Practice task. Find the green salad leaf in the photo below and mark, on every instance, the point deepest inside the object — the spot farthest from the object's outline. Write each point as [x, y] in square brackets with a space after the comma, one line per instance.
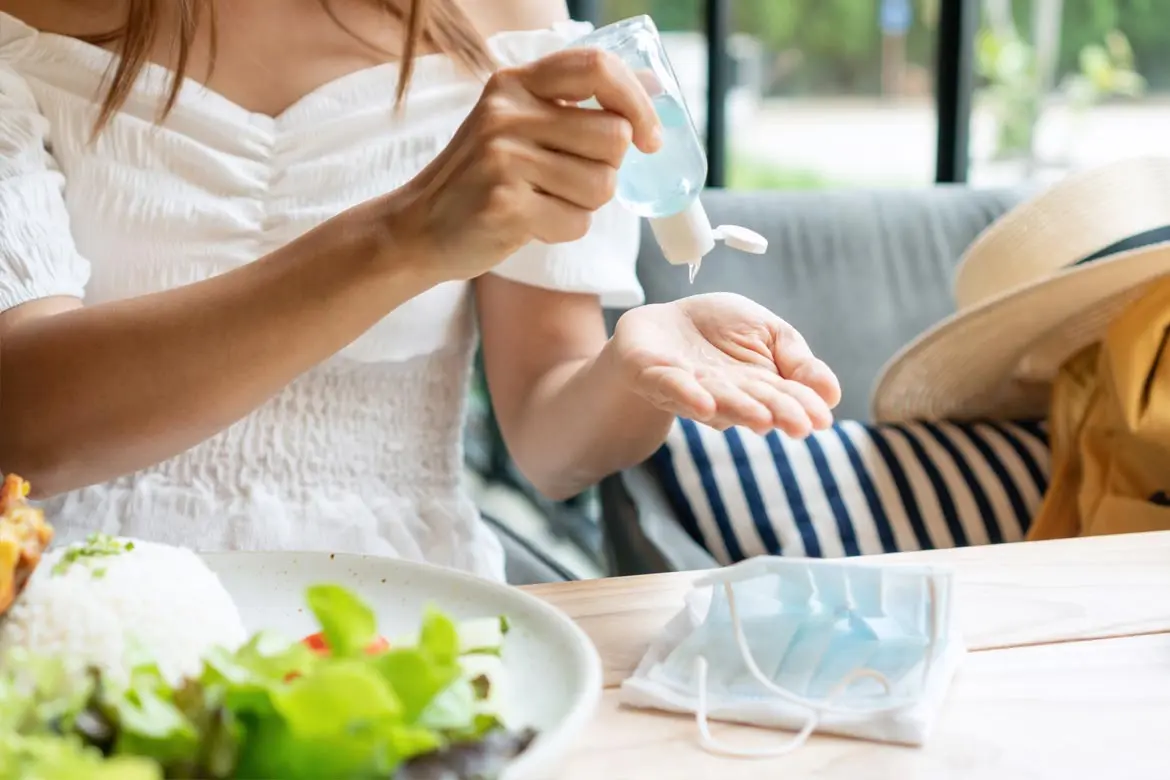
[149, 724]
[271, 708]
[418, 674]
[335, 722]
[249, 676]
[46, 757]
[346, 621]
[452, 709]
[46, 692]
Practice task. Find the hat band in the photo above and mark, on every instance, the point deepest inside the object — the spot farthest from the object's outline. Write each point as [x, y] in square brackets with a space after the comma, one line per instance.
[1146, 238]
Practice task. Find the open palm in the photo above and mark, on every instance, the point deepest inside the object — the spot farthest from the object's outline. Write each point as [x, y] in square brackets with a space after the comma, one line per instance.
[724, 360]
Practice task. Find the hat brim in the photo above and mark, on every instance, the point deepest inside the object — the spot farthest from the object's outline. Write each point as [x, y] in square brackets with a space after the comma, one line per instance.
[965, 367]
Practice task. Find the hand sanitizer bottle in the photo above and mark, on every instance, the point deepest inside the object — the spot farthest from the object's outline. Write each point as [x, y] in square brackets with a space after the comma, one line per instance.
[664, 187]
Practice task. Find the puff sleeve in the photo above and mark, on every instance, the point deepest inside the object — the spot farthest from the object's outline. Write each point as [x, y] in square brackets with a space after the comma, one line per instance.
[603, 261]
[38, 257]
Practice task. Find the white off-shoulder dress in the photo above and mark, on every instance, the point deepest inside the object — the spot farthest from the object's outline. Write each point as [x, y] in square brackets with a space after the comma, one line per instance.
[364, 452]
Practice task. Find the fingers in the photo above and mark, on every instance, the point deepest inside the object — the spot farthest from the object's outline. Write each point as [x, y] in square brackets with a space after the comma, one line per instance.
[584, 183]
[752, 398]
[788, 406]
[820, 378]
[787, 413]
[583, 132]
[556, 193]
[816, 409]
[678, 392]
[735, 405]
[716, 403]
[796, 361]
[576, 75]
[555, 220]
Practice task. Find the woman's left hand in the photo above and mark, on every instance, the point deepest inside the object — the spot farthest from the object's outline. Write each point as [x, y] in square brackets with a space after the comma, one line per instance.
[723, 360]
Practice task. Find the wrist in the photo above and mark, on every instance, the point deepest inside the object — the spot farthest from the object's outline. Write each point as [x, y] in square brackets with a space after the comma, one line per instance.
[399, 246]
[610, 364]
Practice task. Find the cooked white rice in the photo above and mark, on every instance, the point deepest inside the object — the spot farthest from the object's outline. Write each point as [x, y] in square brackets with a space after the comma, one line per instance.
[155, 600]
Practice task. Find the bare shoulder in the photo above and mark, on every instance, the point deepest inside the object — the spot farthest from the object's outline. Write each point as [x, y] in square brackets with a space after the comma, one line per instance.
[504, 15]
[67, 17]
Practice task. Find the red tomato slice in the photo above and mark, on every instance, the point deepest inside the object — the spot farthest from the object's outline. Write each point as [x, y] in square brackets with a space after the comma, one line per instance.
[316, 643]
[379, 645]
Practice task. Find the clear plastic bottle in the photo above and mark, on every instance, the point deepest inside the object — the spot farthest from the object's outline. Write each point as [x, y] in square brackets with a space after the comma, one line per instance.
[664, 186]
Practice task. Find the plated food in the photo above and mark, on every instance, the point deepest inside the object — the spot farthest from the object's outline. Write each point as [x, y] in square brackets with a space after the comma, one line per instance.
[128, 660]
[24, 537]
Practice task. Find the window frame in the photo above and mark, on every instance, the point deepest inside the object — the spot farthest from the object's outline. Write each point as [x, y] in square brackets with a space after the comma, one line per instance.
[954, 83]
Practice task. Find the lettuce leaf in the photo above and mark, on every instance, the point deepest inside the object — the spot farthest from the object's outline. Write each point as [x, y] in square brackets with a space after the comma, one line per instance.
[150, 725]
[452, 709]
[48, 757]
[335, 722]
[349, 625]
[350, 714]
[37, 693]
[271, 708]
[418, 674]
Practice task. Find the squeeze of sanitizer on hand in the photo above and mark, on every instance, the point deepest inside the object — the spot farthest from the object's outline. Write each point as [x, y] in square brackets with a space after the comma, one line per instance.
[664, 186]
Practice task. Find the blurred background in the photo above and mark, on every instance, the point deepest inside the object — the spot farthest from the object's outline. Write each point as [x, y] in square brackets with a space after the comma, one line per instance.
[827, 93]
[815, 94]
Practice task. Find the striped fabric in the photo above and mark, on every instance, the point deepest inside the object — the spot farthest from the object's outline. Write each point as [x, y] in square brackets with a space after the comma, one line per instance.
[854, 489]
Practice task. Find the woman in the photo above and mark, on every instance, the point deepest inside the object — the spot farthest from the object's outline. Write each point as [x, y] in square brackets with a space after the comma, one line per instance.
[287, 228]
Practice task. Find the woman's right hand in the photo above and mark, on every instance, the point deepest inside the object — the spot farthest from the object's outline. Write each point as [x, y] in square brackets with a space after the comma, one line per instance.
[527, 164]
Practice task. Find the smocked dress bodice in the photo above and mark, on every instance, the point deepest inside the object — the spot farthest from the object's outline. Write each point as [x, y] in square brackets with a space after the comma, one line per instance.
[362, 453]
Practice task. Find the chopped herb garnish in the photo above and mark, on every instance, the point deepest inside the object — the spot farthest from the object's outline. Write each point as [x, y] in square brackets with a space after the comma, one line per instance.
[94, 546]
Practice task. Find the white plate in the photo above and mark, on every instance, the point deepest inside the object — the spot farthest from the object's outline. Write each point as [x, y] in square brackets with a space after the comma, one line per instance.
[554, 672]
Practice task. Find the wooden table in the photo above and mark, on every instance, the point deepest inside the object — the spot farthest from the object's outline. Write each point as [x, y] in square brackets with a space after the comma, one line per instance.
[1069, 674]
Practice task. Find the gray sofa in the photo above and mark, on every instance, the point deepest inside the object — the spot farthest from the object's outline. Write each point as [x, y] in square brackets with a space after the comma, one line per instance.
[859, 273]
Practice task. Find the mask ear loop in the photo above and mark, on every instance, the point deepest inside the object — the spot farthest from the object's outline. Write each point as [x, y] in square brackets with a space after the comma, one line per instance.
[821, 705]
[935, 628]
[709, 743]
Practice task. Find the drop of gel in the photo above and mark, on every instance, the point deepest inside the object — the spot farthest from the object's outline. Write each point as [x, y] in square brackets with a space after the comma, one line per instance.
[693, 271]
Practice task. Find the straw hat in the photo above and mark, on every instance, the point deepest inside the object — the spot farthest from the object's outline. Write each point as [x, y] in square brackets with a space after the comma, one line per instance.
[1037, 286]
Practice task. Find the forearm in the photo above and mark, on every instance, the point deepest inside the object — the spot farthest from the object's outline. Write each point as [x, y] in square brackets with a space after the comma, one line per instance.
[581, 423]
[99, 391]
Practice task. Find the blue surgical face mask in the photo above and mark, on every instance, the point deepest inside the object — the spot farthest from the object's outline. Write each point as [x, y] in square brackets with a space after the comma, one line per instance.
[863, 650]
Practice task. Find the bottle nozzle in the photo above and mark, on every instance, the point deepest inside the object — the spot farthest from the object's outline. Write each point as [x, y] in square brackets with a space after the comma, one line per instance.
[687, 237]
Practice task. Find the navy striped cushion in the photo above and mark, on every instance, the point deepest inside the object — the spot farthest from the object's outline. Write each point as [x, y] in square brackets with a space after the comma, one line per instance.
[855, 489]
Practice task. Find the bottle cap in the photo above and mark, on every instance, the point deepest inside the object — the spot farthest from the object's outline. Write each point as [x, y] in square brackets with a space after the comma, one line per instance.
[742, 239]
[687, 237]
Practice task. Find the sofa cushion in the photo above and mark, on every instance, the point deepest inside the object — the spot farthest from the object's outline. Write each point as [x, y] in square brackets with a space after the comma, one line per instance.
[854, 489]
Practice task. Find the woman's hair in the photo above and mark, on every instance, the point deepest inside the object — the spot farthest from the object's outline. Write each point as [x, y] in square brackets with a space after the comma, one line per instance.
[440, 24]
